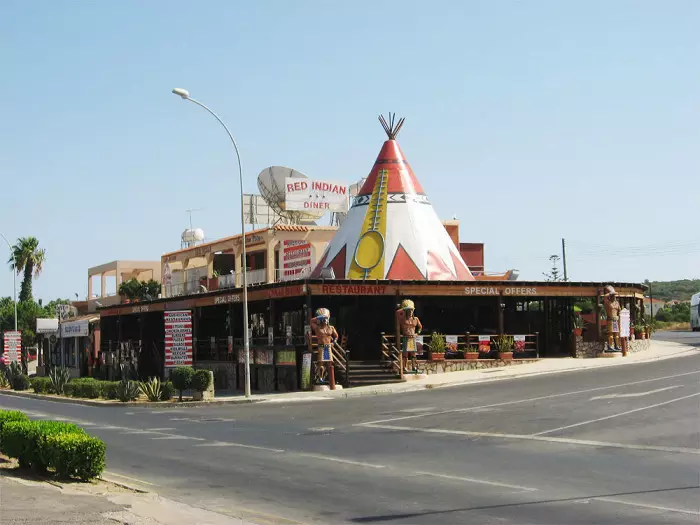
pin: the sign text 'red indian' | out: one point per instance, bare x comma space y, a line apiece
307, 195
352, 289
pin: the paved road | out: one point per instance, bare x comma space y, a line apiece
618, 445
683, 337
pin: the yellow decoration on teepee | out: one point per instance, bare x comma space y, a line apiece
368, 259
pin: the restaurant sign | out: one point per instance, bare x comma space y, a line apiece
353, 289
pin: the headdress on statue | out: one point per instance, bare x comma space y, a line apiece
323, 312
610, 290
407, 304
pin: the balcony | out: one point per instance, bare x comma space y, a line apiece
292, 275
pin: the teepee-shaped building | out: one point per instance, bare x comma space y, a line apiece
392, 231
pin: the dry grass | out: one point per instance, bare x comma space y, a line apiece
673, 326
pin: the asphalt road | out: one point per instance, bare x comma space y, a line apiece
608, 446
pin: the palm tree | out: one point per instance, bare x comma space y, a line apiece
30, 260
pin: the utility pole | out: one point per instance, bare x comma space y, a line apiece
563, 257
651, 302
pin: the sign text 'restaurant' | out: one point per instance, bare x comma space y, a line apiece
352, 289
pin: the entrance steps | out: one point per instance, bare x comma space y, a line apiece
371, 373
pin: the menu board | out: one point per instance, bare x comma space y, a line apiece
12, 347
178, 338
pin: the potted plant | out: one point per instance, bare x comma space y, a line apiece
437, 347
214, 281
130, 290
471, 353
504, 346
578, 325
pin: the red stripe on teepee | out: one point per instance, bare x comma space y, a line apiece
463, 273
401, 178
403, 268
338, 264
438, 269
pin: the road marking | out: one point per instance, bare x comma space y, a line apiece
627, 412
645, 506
180, 437
565, 441
635, 394
160, 429
241, 445
321, 429
520, 401
110, 473
339, 460
481, 481
417, 409
139, 432
111, 427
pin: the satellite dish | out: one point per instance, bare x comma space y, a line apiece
271, 186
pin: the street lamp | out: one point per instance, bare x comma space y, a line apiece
14, 277
185, 95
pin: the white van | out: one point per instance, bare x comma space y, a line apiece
695, 312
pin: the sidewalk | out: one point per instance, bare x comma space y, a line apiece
659, 350
32, 502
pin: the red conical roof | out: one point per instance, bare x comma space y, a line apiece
400, 175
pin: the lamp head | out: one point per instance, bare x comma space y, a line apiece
180, 92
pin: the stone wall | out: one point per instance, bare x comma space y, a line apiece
585, 349
224, 373
457, 365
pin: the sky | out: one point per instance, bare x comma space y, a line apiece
528, 121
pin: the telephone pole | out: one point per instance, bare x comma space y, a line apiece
563, 257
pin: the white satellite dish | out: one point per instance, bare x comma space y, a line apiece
271, 186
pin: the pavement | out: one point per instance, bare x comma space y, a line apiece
604, 444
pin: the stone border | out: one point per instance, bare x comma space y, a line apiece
109, 403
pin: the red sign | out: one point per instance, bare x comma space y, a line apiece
296, 259
178, 338
287, 291
12, 347
353, 289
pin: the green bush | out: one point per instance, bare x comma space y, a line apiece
182, 378
75, 455
68, 389
41, 385
128, 390
168, 391
20, 382
109, 389
152, 389
85, 387
11, 415
24, 440
201, 380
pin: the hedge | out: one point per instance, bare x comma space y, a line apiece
41, 385
201, 379
63, 447
86, 387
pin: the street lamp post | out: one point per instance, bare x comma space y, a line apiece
14, 277
185, 95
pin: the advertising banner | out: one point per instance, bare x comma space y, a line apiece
178, 338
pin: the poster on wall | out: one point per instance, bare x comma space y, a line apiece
315, 195
296, 260
12, 347
519, 343
451, 341
306, 371
625, 323
178, 338
419, 345
484, 343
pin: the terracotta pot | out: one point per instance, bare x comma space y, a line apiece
471, 356
127, 301
435, 356
504, 356
578, 332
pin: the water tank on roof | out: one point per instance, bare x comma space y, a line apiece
192, 236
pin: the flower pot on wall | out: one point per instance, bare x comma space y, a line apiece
471, 356
505, 356
437, 356
578, 332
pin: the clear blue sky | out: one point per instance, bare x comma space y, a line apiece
530, 121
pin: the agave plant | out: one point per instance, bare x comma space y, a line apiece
152, 389
128, 390
4, 382
59, 377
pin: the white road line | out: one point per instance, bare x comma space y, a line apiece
519, 401
645, 506
481, 481
338, 460
160, 429
635, 394
110, 473
139, 432
417, 409
549, 439
241, 445
321, 429
180, 437
111, 427
627, 412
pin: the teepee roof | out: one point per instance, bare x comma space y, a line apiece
392, 231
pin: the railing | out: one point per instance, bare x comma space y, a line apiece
391, 355
253, 277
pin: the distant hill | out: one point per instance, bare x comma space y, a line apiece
675, 290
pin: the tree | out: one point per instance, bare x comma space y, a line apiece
553, 275
28, 258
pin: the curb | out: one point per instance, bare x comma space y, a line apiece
110, 404
122, 484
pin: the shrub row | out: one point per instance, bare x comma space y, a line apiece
89, 388
41, 445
